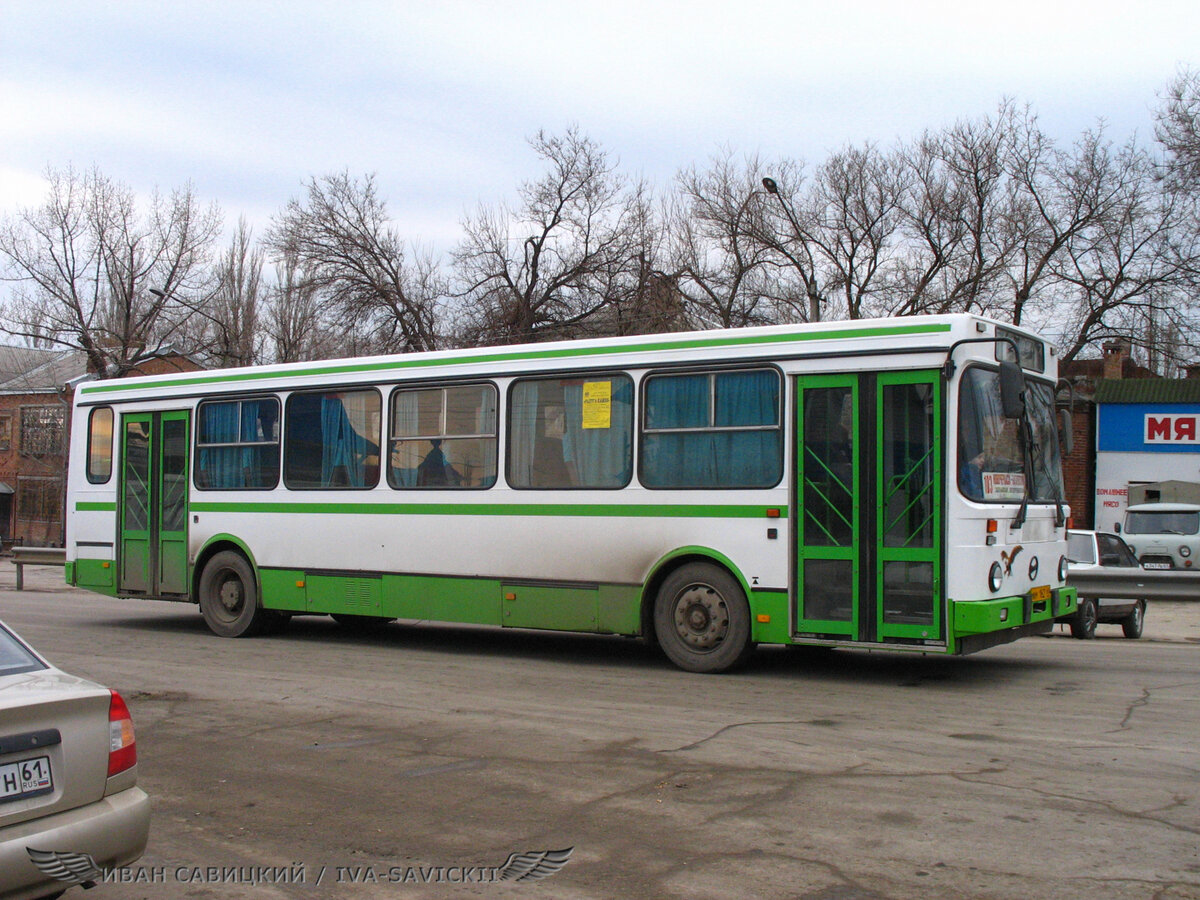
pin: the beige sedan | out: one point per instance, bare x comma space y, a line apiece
69, 806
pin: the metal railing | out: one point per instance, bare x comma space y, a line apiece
1136, 584
36, 556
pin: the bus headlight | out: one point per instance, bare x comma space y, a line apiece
1185, 551
995, 577
1034, 568
1062, 568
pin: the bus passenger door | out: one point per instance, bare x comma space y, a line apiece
908, 506
153, 503
828, 495
869, 497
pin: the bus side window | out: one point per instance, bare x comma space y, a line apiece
443, 437
571, 433
100, 445
330, 440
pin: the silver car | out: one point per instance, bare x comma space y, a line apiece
69, 804
1088, 550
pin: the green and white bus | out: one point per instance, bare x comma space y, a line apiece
885, 484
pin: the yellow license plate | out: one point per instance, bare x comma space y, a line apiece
1040, 594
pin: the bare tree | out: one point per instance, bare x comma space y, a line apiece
1128, 273
1177, 127
954, 205
93, 273
296, 322
386, 296
719, 259
232, 318
553, 265
854, 210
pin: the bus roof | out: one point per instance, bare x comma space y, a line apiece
930, 333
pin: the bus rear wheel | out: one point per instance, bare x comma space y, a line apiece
702, 619
229, 598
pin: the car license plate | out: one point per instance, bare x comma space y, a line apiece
1040, 594
1156, 565
25, 778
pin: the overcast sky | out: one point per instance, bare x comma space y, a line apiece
248, 100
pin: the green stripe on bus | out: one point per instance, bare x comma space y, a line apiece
419, 361
705, 511
95, 506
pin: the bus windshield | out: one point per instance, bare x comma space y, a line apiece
991, 452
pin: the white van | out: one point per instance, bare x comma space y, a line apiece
1164, 535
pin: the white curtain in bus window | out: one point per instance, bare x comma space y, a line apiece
444, 437
571, 433
238, 444
712, 429
330, 440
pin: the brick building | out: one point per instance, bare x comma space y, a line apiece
36, 391
1090, 377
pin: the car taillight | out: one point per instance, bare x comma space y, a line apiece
122, 748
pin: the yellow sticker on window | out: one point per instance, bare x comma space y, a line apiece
597, 404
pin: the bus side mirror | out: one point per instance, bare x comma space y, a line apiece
1117, 527
1012, 390
1066, 435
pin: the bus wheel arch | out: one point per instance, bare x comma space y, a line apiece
228, 592
696, 608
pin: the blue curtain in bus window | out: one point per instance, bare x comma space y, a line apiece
714, 456
747, 400
682, 459
219, 467
601, 456
342, 448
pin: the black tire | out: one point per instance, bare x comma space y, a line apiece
229, 598
702, 619
1083, 623
1133, 623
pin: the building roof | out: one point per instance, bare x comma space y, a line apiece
28, 370
1148, 390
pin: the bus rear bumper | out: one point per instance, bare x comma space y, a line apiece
979, 624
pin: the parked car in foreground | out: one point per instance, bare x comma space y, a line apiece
1089, 550
69, 802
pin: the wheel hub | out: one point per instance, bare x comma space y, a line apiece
701, 618
231, 595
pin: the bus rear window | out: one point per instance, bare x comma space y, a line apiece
100, 445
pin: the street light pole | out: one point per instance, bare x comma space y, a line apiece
814, 299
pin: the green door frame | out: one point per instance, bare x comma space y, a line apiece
153, 503
908, 526
867, 525
828, 519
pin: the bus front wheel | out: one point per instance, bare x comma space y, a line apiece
702, 619
229, 598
